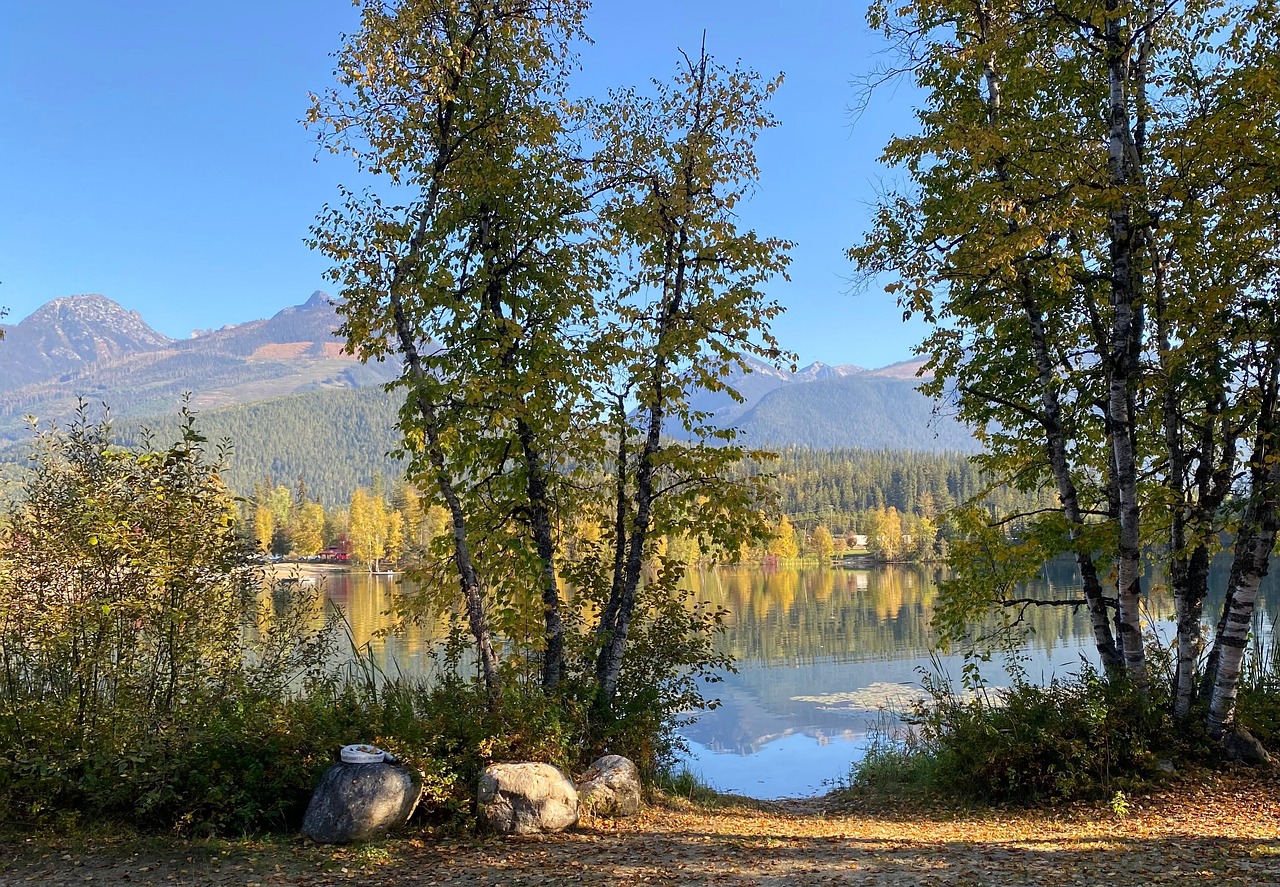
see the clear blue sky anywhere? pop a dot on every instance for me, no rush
(151, 151)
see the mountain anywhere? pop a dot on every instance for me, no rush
(89, 347)
(63, 336)
(282, 390)
(865, 410)
(826, 406)
(758, 380)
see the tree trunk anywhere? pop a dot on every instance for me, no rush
(1055, 439)
(1124, 344)
(537, 477)
(614, 634)
(1247, 572)
(1254, 544)
(1192, 517)
(540, 524)
(621, 606)
(609, 615)
(1187, 602)
(468, 579)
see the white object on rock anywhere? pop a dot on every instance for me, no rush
(362, 754)
(610, 787)
(527, 799)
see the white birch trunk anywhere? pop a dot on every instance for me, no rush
(1126, 334)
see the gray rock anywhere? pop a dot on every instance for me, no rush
(354, 802)
(1243, 746)
(610, 787)
(527, 799)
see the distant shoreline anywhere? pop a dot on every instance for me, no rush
(288, 569)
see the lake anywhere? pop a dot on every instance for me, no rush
(821, 655)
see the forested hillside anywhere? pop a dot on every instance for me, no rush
(338, 440)
(812, 482)
(841, 488)
(335, 440)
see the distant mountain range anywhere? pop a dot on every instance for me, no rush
(824, 407)
(88, 346)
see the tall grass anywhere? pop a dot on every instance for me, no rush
(1259, 702)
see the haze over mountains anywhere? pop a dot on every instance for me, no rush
(89, 346)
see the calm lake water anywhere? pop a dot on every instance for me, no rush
(821, 655)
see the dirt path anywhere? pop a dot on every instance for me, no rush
(1228, 832)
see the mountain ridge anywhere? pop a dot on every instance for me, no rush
(89, 347)
(828, 406)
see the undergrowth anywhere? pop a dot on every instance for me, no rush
(1081, 737)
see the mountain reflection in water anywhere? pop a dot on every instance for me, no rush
(826, 657)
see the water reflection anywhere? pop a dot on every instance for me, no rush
(825, 657)
(821, 654)
(798, 615)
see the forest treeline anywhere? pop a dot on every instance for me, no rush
(842, 487)
(892, 505)
(330, 443)
(340, 439)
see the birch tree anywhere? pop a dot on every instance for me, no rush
(1094, 165)
(552, 308)
(1238, 133)
(996, 220)
(464, 269)
(370, 527)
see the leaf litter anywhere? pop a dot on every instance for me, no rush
(1213, 829)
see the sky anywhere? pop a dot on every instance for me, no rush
(151, 151)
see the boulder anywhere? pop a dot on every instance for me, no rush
(610, 787)
(527, 799)
(1243, 746)
(354, 802)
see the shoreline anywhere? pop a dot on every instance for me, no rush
(304, 569)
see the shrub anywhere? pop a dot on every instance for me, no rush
(1259, 703)
(1084, 737)
(128, 677)
(148, 676)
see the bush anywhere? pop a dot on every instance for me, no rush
(131, 685)
(1259, 702)
(1079, 738)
